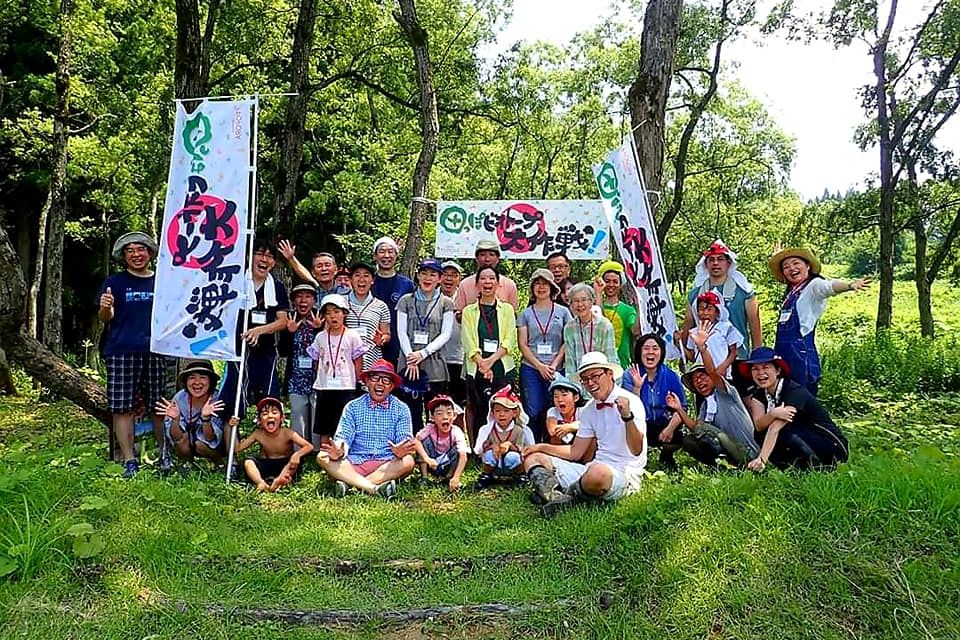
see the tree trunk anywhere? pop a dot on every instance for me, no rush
(651, 88)
(291, 145)
(416, 35)
(7, 387)
(38, 361)
(56, 203)
(191, 71)
(920, 277)
(887, 181)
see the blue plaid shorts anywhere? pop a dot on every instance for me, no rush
(135, 381)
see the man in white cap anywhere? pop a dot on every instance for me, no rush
(135, 377)
(717, 271)
(390, 286)
(486, 254)
(614, 422)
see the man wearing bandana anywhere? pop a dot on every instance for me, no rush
(717, 271)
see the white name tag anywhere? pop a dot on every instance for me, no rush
(258, 317)
(784, 316)
(419, 337)
(336, 383)
(544, 349)
(304, 362)
(489, 346)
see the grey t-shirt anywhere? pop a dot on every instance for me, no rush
(544, 330)
(424, 324)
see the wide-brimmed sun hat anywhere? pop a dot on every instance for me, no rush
(545, 275)
(134, 237)
(561, 382)
(382, 366)
(197, 366)
(687, 377)
(763, 355)
(598, 360)
(505, 398)
(775, 263)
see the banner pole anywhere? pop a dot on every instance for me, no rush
(248, 246)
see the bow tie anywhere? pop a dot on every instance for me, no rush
(383, 405)
(604, 405)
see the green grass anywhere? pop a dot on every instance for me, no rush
(868, 551)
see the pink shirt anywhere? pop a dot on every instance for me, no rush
(467, 292)
(442, 443)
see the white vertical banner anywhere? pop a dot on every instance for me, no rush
(201, 276)
(625, 203)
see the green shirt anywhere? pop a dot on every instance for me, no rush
(623, 317)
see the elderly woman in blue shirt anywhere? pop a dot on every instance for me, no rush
(654, 381)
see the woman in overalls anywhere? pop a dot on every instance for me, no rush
(804, 303)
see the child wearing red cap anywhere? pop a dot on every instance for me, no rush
(280, 448)
(441, 446)
(722, 338)
(501, 441)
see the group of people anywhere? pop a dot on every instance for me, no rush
(384, 374)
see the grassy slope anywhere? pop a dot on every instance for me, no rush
(868, 551)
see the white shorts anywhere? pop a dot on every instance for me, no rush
(623, 482)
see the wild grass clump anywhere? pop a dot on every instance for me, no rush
(855, 373)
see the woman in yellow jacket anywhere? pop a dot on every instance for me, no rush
(488, 331)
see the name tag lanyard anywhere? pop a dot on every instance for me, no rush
(544, 327)
(359, 314)
(582, 339)
(791, 298)
(488, 323)
(423, 321)
(335, 361)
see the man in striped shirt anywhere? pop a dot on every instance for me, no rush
(373, 446)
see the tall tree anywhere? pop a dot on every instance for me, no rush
(650, 89)
(192, 56)
(420, 208)
(55, 206)
(914, 93)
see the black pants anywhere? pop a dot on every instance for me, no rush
(807, 446)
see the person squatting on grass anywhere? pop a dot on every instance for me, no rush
(280, 448)
(501, 441)
(441, 446)
(612, 421)
(303, 325)
(722, 426)
(135, 376)
(563, 418)
(793, 427)
(190, 420)
(373, 446)
(804, 302)
(657, 385)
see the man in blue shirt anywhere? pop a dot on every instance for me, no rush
(135, 377)
(373, 446)
(390, 286)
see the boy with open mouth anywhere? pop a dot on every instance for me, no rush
(281, 449)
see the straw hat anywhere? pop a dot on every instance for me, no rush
(793, 252)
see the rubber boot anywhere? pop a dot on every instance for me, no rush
(544, 484)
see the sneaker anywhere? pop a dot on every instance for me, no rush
(485, 480)
(523, 479)
(387, 490)
(166, 464)
(130, 468)
(341, 489)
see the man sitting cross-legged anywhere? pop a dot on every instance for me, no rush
(614, 420)
(373, 445)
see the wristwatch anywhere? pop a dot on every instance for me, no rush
(628, 418)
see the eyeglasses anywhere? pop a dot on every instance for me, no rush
(593, 378)
(380, 378)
